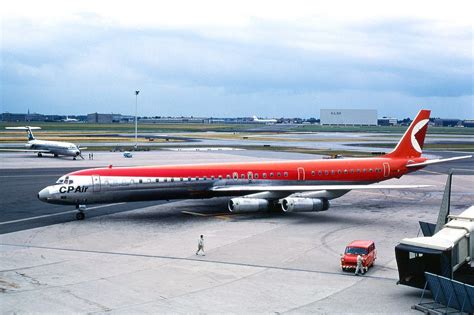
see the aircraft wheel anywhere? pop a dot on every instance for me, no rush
(80, 216)
(40, 155)
(55, 155)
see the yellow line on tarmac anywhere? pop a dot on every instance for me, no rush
(222, 216)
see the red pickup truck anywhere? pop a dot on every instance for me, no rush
(364, 248)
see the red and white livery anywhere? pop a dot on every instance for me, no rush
(295, 186)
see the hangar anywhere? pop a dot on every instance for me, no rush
(351, 117)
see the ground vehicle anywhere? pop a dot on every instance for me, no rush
(364, 248)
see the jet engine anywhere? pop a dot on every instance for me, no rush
(237, 205)
(292, 204)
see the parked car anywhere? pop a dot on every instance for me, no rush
(364, 248)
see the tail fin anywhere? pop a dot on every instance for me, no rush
(30, 134)
(28, 131)
(411, 144)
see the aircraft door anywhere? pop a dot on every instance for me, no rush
(386, 169)
(95, 183)
(301, 173)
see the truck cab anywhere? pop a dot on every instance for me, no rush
(360, 247)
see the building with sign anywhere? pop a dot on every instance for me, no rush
(350, 117)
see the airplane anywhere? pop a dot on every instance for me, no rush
(264, 121)
(293, 186)
(41, 147)
(67, 119)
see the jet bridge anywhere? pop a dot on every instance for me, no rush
(448, 253)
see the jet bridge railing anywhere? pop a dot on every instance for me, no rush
(448, 296)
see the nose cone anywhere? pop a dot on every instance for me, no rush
(44, 194)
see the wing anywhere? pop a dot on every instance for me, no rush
(301, 188)
(25, 150)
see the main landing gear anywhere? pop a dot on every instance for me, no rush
(39, 154)
(80, 215)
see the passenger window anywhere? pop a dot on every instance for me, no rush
(242, 176)
(320, 173)
(157, 180)
(204, 178)
(255, 176)
(181, 179)
(352, 171)
(189, 179)
(228, 177)
(313, 173)
(264, 175)
(278, 174)
(370, 170)
(212, 177)
(71, 181)
(326, 172)
(271, 174)
(339, 171)
(285, 174)
(220, 177)
(197, 178)
(364, 170)
(346, 172)
(332, 172)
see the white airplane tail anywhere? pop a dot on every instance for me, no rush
(28, 131)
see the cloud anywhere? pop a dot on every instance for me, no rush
(96, 62)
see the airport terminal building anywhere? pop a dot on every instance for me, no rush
(351, 117)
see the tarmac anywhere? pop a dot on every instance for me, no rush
(142, 258)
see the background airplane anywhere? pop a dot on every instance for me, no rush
(264, 121)
(294, 186)
(41, 147)
(67, 119)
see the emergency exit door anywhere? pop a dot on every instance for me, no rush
(300, 173)
(386, 169)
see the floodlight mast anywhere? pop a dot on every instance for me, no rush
(136, 119)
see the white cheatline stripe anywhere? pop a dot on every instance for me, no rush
(59, 213)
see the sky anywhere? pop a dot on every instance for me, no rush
(237, 58)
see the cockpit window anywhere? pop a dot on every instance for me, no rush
(59, 181)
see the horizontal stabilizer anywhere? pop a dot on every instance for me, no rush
(296, 188)
(436, 161)
(23, 128)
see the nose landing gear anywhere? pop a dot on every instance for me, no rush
(80, 215)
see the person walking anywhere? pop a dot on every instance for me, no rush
(201, 246)
(359, 267)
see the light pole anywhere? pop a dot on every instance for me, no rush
(136, 119)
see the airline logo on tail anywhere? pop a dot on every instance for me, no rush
(418, 135)
(411, 144)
